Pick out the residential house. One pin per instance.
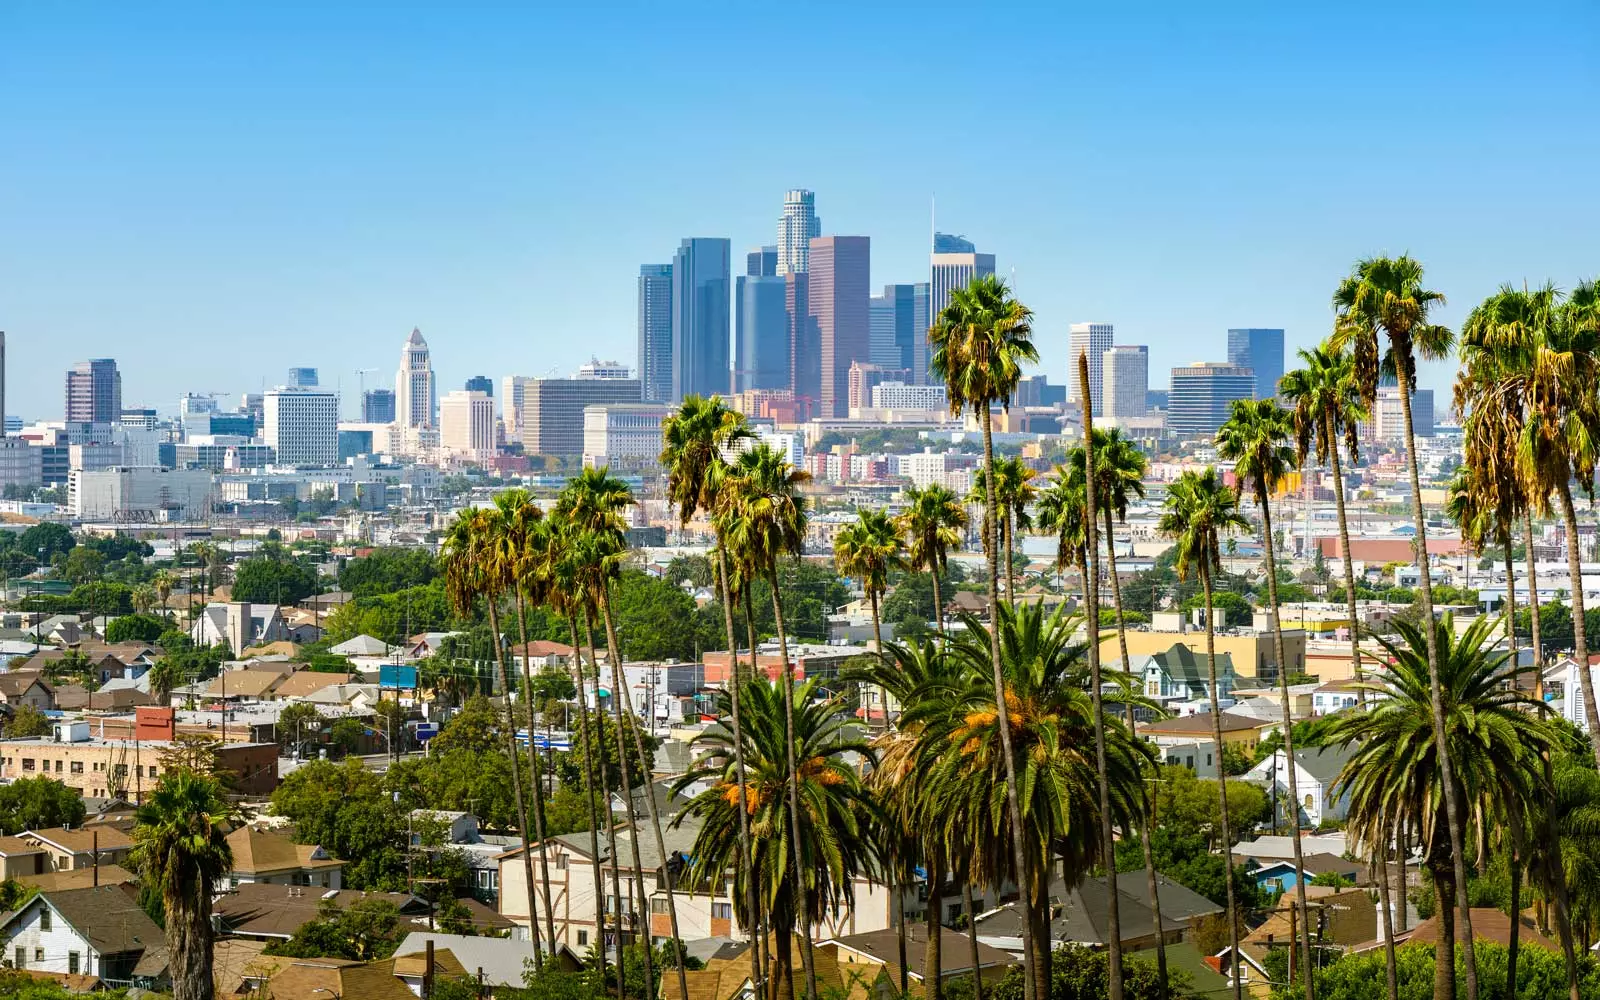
(71, 697)
(304, 683)
(83, 847)
(397, 978)
(1237, 730)
(502, 960)
(541, 653)
(1178, 674)
(726, 975)
(1563, 684)
(269, 856)
(100, 930)
(362, 645)
(250, 684)
(1316, 774)
(1281, 875)
(77, 878)
(1335, 696)
(880, 949)
(1280, 847)
(1079, 916)
(239, 626)
(1488, 924)
(20, 857)
(1199, 756)
(267, 911)
(25, 687)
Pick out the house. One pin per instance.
(542, 653)
(268, 856)
(77, 878)
(239, 626)
(1562, 683)
(1316, 774)
(1199, 756)
(20, 857)
(1179, 674)
(1080, 916)
(250, 684)
(726, 975)
(1335, 696)
(1280, 875)
(1488, 924)
(267, 911)
(501, 959)
(304, 683)
(71, 698)
(362, 645)
(82, 847)
(1237, 730)
(24, 687)
(98, 931)
(881, 948)
(457, 827)
(397, 978)
(425, 644)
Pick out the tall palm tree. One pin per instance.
(594, 502)
(1396, 768)
(1014, 492)
(763, 518)
(1255, 437)
(163, 582)
(693, 441)
(181, 850)
(798, 863)
(1199, 510)
(474, 569)
(933, 522)
(1384, 297)
(980, 342)
(1563, 848)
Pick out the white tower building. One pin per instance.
(466, 425)
(796, 227)
(1093, 339)
(1125, 379)
(415, 395)
(301, 425)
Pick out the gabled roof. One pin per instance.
(1200, 724)
(1183, 664)
(244, 683)
(262, 852)
(302, 683)
(77, 878)
(14, 847)
(15, 683)
(81, 840)
(361, 645)
(108, 917)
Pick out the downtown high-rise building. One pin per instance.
(838, 302)
(701, 309)
(301, 425)
(377, 406)
(953, 264)
(655, 332)
(1092, 340)
(805, 346)
(94, 392)
(302, 378)
(1124, 381)
(899, 329)
(466, 425)
(1259, 349)
(479, 383)
(415, 394)
(762, 262)
(1201, 393)
(761, 333)
(797, 227)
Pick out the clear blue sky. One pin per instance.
(211, 194)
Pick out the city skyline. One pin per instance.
(360, 226)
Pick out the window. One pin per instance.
(561, 862)
(77, 767)
(27, 764)
(58, 767)
(74, 961)
(658, 906)
(1208, 762)
(21, 958)
(44, 919)
(722, 911)
(583, 940)
(38, 954)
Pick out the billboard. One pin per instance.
(393, 677)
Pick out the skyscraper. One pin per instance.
(466, 425)
(94, 392)
(301, 425)
(304, 378)
(377, 406)
(950, 269)
(761, 333)
(762, 262)
(655, 331)
(700, 314)
(415, 396)
(796, 228)
(1093, 339)
(1261, 350)
(479, 383)
(1125, 381)
(805, 348)
(838, 301)
(1198, 402)
(899, 329)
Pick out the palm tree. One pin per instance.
(693, 440)
(980, 342)
(594, 502)
(163, 582)
(1563, 845)
(1199, 510)
(798, 864)
(932, 522)
(1014, 491)
(1255, 437)
(868, 550)
(1396, 771)
(1385, 297)
(181, 851)
(763, 519)
(473, 570)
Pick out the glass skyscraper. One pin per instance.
(761, 333)
(953, 264)
(701, 307)
(1198, 401)
(655, 332)
(796, 228)
(899, 335)
(1259, 349)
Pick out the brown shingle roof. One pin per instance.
(261, 852)
(1200, 724)
(266, 910)
(252, 683)
(109, 917)
(306, 682)
(15, 683)
(12, 847)
(77, 878)
(82, 841)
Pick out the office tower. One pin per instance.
(762, 262)
(1094, 340)
(797, 227)
(5, 422)
(761, 333)
(949, 269)
(595, 368)
(655, 332)
(94, 392)
(1200, 394)
(302, 378)
(415, 396)
(1261, 351)
(1388, 421)
(701, 295)
(1155, 399)
(377, 406)
(466, 425)
(899, 329)
(1125, 381)
(511, 393)
(837, 301)
(301, 425)
(479, 383)
(552, 410)
(805, 349)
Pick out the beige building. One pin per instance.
(84, 847)
(466, 425)
(1253, 651)
(128, 769)
(267, 856)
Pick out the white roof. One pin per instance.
(361, 645)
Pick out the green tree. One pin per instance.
(299, 723)
(135, 628)
(38, 804)
(386, 570)
(48, 538)
(869, 550)
(265, 580)
(27, 721)
(933, 523)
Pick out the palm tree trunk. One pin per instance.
(1516, 900)
(1144, 821)
(516, 768)
(649, 804)
(1533, 599)
(1288, 739)
(1222, 782)
(883, 692)
(897, 887)
(972, 931)
(538, 786)
(1555, 875)
(1580, 641)
(189, 943)
(619, 695)
(590, 787)
(1452, 798)
(1444, 966)
(802, 903)
(932, 962)
(1091, 590)
(1018, 850)
(1011, 578)
(605, 801)
(938, 604)
(746, 853)
(763, 923)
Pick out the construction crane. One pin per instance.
(361, 375)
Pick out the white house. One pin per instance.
(1562, 683)
(97, 930)
(1316, 771)
(239, 626)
